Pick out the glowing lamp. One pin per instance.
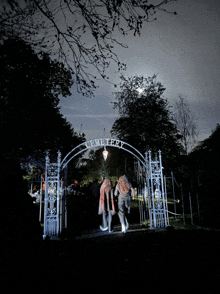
(105, 154)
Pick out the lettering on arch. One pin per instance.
(104, 142)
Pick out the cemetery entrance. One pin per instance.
(150, 186)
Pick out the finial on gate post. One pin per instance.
(160, 159)
(59, 158)
(159, 154)
(149, 155)
(47, 157)
(59, 154)
(146, 159)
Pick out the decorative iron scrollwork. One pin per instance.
(158, 205)
(51, 210)
(53, 170)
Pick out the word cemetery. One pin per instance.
(104, 142)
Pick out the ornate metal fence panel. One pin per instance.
(52, 197)
(157, 199)
(151, 192)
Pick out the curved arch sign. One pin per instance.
(102, 142)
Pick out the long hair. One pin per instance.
(123, 185)
(106, 185)
(106, 188)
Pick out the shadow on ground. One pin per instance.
(140, 260)
(172, 260)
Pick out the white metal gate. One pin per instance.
(151, 192)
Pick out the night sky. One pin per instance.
(183, 50)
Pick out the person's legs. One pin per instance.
(126, 223)
(109, 220)
(104, 226)
(121, 214)
(104, 220)
(127, 205)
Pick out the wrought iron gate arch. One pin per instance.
(103, 142)
(153, 174)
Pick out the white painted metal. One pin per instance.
(157, 210)
(152, 194)
(52, 197)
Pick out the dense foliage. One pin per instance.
(204, 163)
(30, 124)
(145, 120)
(30, 86)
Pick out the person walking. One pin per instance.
(123, 191)
(106, 205)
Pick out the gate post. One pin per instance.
(46, 195)
(58, 191)
(157, 211)
(162, 190)
(52, 197)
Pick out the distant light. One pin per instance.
(140, 90)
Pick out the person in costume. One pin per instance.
(106, 205)
(123, 191)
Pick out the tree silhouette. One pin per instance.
(145, 120)
(204, 172)
(185, 124)
(81, 33)
(30, 88)
(204, 163)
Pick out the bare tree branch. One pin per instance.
(80, 33)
